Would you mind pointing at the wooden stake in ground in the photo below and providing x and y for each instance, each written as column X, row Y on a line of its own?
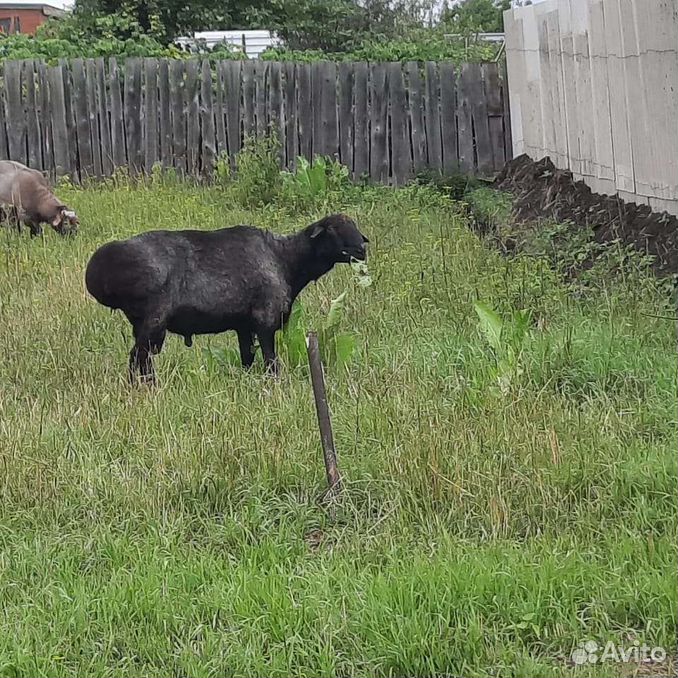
column 323, row 412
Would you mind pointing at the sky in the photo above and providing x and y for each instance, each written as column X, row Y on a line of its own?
column 63, row 4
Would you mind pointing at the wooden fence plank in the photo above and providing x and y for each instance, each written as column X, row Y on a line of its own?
column 275, row 97
column 71, row 125
column 134, row 116
column 416, row 113
column 60, row 138
column 345, row 113
column 495, row 113
column 506, row 103
column 433, row 136
column 93, row 115
column 220, row 110
column 379, row 158
column 118, row 142
column 32, row 122
column 234, row 107
column 4, row 150
column 464, row 122
column 275, row 121
column 361, row 148
column 260, row 89
column 209, row 140
column 481, row 128
column 305, row 111
column 291, row 133
column 248, row 94
column 82, row 122
column 178, row 115
column 316, row 107
column 165, row 104
column 151, row 149
column 104, row 121
column 401, row 150
column 193, row 117
column 16, row 112
column 45, row 122
column 448, row 117
column 329, row 131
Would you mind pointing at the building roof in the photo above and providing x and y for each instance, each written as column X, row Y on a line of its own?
column 254, row 41
column 55, row 6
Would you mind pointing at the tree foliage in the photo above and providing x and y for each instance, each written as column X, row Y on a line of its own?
column 474, row 16
column 435, row 48
column 164, row 20
column 372, row 30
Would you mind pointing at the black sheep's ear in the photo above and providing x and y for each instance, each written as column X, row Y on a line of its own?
column 318, row 228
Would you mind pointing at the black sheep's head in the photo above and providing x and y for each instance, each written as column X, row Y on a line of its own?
column 337, row 238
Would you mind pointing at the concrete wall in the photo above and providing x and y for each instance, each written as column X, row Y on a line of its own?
column 594, row 85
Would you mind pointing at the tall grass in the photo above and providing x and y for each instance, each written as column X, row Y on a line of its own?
column 483, row 531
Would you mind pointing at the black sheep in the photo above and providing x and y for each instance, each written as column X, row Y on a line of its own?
column 204, row 282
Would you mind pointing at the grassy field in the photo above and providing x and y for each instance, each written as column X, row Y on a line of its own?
column 484, row 530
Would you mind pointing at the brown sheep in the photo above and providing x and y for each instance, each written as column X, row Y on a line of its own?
column 28, row 198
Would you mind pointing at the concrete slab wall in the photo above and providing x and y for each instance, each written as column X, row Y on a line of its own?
column 594, row 85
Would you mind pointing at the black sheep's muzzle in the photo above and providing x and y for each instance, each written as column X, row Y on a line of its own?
column 351, row 253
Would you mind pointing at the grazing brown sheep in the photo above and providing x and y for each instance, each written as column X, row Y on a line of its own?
column 29, row 200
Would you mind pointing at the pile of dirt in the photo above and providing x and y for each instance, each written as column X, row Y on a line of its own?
column 541, row 191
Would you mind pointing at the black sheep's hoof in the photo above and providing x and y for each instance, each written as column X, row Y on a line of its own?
column 273, row 370
column 188, row 340
column 142, row 379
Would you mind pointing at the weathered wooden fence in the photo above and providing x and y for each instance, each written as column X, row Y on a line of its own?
column 85, row 118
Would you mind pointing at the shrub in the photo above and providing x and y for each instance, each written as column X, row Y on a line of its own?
column 259, row 178
column 429, row 48
column 312, row 186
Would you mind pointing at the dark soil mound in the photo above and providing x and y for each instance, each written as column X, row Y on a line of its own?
column 540, row 191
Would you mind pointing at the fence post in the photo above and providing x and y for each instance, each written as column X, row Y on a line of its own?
column 323, row 412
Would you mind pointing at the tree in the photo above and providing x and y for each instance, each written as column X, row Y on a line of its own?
column 328, row 25
column 343, row 25
column 164, row 20
column 475, row 16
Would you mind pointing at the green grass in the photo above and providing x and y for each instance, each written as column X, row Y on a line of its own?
column 178, row 531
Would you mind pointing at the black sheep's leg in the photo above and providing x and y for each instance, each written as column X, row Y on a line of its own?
column 246, row 345
column 156, row 341
column 148, row 341
column 267, row 341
